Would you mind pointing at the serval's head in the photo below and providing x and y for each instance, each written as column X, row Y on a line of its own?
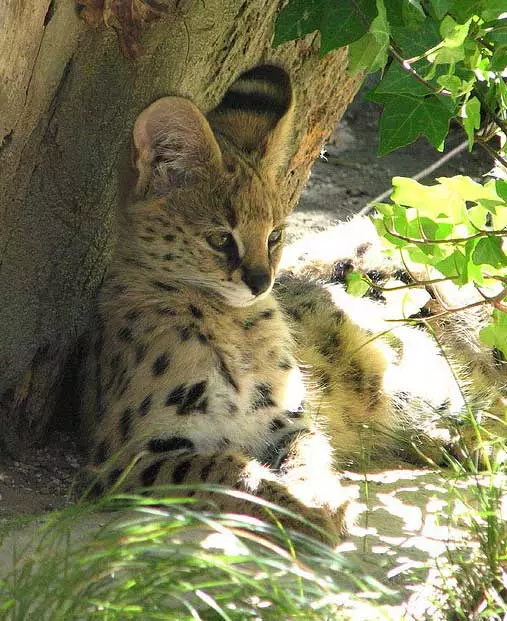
column 211, row 186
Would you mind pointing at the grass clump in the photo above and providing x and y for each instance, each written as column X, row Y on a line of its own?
column 160, row 559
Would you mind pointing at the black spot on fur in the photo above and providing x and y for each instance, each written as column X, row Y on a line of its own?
column 102, row 453
column 276, row 424
column 168, row 256
column 296, row 413
column 176, row 396
column 403, row 276
column 338, row 315
column 115, row 362
column 97, row 490
column 169, row 238
column 114, row 475
column 181, row 471
column 196, row 312
column 164, row 286
column 194, row 393
column 443, row 408
column 285, row 364
column 126, row 423
column 498, row 357
column 203, row 406
column 226, row 373
column 145, row 406
column 356, row 375
column 173, row 443
column 263, row 396
column 202, row 338
column 125, row 335
column 341, row 270
column 205, row 470
column 166, row 311
column 185, row 333
column 374, row 389
column 149, row 474
column 400, row 400
column 132, row 315
column 124, row 385
column 160, row 365
column 361, row 250
column 140, row 353
column 250, row 323
column 232, row 408
column 294, row 313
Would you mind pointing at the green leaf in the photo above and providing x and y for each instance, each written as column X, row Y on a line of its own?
column 370, row 52
column 404, row 13
column 468, row 189
column 477, row 216
column 453, row 34
column 440, row 7
column 415, row 42
column 340, row 23
column 395, row 81
column 386, row 209
column 446, row 55
column 451, row 83
column 427, row 254
column 405, row 118
column 454, row 266
column 498, row 33
column 356, row 286
column 495, row 335
column 489, row 251
column 500, row 189
column 471, row 115
column 493, row 9
column 433, row 201
column 499, row 59
column 463, row 10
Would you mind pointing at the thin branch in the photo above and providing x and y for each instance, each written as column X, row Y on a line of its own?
column 495, row 301
column 412, row 285
column 450, row 240
column 494, row 154
column 405, row 65
column 499, row 121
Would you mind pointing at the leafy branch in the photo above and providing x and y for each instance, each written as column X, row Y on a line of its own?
column 441, row 60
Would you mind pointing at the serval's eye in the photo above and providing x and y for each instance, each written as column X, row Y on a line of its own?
column 275, row 237
column 220, row 240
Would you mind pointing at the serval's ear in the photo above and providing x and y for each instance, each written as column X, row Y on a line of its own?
column 256, row 115
column 174, row 146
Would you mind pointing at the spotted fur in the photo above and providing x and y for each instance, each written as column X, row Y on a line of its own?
column 192, row 376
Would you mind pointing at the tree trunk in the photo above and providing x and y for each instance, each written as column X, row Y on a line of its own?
column 68, row 99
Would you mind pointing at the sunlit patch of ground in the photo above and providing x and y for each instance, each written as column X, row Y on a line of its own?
column 408, row 525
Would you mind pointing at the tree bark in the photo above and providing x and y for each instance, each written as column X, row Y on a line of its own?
column 68, row 99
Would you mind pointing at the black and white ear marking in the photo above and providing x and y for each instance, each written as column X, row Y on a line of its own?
column 175, row 146
column 256, row 115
